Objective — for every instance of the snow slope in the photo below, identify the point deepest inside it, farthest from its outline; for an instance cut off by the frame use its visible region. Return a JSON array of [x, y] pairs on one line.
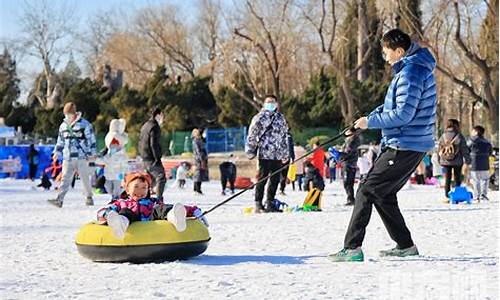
[[266, 256]]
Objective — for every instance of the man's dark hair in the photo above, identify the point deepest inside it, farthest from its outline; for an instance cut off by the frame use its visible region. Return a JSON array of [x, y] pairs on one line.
[[480, 130], [396, 38], [271, 96], [453, 123], [156, 111]]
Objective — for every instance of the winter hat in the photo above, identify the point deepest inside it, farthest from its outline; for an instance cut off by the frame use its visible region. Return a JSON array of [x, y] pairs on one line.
[[116, 131], [137, 175]]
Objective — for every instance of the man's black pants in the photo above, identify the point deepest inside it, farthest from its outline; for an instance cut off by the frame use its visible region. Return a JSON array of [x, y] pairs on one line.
[[391, 171], [349, 177], [457, 174], [267, 167], [283, 178]]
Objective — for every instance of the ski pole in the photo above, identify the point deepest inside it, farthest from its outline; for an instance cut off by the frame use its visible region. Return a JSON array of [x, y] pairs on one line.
[[342, 133]]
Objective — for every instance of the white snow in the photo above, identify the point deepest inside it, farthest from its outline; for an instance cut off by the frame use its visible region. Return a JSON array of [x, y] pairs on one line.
[[266, 256]]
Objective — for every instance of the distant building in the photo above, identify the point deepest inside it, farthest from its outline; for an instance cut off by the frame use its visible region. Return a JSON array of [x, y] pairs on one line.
[[9, 135]]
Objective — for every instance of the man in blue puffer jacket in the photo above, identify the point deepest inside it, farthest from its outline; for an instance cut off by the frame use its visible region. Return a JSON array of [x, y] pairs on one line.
[[407, 120]]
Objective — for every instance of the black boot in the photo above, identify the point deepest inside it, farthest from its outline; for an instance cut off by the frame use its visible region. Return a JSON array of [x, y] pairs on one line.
[[259, 208], [270, 208]]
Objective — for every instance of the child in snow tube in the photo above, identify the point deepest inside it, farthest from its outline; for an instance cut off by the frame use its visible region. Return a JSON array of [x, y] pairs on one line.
[[137, 205]]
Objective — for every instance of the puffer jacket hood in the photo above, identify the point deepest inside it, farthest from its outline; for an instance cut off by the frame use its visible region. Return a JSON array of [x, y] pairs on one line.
[[417, 56]]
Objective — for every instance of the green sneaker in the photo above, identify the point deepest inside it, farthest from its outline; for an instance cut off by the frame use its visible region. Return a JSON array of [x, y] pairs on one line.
[[347, 255], [411, 251]]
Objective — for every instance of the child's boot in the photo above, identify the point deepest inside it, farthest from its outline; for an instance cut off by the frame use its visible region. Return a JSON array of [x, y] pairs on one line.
[[177, 216], [118, 223]]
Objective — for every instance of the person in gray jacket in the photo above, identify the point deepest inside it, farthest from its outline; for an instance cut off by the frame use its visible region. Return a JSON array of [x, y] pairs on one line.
[[200, 161], [453, 152], [150, 151], [267, 139], [480, 151]]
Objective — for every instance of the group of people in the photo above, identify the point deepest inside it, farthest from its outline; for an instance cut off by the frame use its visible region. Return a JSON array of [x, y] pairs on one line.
[[455, 151], [135, 202], [406, 119]]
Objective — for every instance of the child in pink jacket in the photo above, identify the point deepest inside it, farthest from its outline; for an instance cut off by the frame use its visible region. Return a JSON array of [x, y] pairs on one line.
[[137, 205]]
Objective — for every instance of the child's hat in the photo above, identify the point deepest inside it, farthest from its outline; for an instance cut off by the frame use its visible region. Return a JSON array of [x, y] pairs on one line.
[[137, 175], [116, 131]]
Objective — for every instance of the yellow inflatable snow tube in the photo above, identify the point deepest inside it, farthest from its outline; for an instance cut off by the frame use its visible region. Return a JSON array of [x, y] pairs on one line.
[[151, 241]]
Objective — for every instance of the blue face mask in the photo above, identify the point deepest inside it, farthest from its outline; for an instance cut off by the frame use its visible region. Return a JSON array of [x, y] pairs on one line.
[[113, 150], [270, 106]]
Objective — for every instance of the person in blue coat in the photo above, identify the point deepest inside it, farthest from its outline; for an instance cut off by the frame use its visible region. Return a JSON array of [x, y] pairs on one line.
[[407, 119]]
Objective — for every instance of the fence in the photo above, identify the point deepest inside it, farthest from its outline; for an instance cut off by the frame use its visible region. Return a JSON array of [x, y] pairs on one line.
[[226, 140], [8, 153], [217, 140]]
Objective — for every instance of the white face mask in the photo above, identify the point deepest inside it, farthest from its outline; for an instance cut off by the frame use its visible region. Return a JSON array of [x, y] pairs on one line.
[[159, 119], [69, 117], [270, 106]]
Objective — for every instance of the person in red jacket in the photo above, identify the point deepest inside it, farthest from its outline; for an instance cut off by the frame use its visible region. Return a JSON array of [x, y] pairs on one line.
[[318, 159]]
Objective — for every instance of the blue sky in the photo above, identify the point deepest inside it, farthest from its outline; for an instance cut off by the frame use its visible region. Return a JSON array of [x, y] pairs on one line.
[[11, 10]]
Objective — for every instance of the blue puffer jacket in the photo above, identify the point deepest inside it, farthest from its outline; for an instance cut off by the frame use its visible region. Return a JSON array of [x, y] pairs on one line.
[[407, 116]]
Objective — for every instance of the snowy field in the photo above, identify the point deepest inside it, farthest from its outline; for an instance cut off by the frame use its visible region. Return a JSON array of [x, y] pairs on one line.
[[266, 256]]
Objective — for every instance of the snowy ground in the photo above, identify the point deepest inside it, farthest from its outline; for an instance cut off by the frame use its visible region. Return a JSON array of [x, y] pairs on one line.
[[267, 256]]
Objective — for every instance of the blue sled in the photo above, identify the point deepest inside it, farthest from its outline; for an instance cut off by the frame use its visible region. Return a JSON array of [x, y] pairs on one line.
[[460, 194]]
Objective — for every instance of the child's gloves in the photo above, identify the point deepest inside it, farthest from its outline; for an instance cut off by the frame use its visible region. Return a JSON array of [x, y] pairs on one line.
[[334, 153], [199, 215]]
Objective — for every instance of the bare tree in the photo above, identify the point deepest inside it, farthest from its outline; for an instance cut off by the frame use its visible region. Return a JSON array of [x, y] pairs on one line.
[[209, 31], [362, 39], [459, 58], [46, 27], [164, 27], [334, 47], [101, 27], [268, 44]]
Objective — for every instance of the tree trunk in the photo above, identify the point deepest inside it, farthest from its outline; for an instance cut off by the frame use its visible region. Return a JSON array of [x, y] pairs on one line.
[[348, 111], [362, 36], [49, 100], [493, 116]]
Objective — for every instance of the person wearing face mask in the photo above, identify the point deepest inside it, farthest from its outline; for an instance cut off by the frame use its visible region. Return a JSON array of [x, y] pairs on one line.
[[268, 140], [150, 151], [76, 144], [407, 120]]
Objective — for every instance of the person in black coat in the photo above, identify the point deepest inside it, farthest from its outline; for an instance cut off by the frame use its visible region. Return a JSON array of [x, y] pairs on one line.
[[313, 178], [227, 174], [480, 151], [150, 151], [33, 160], [349, 155]]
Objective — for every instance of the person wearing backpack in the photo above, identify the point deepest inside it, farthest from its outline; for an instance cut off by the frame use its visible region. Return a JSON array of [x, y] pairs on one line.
[[480, 151], [453, 152]]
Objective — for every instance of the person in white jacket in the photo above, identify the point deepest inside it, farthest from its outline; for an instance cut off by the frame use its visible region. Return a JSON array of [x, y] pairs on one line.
[[115, 160], [364, 165]]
